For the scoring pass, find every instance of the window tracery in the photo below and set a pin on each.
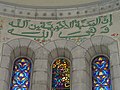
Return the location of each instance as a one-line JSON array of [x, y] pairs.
[[21, 74], [101, 73], [61, 74]]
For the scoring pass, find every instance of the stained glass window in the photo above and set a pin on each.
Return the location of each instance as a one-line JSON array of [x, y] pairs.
[[101, 73], [61, 74], [21, 74]]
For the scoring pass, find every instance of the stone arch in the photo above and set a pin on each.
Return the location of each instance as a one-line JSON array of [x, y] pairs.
[[95, 46], [56, 49], [42, 56], [11, 50]]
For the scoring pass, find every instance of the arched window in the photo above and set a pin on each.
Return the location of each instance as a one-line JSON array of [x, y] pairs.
[[61, 74], [101, 73], [21, 74]]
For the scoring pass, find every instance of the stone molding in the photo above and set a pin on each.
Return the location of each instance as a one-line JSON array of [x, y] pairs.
[[55, 13]]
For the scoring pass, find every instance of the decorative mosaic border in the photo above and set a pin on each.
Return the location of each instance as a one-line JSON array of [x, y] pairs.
[[54, 13]]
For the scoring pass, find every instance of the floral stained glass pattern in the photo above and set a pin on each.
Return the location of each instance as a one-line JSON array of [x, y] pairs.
[[21, 74], [61, 74], [101, 73]]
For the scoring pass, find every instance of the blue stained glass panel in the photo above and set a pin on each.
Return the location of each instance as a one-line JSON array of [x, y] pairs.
[[61, 74], [21, 74], [101, 73]]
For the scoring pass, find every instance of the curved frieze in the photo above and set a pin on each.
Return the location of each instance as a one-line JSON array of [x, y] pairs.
[[37, 12]]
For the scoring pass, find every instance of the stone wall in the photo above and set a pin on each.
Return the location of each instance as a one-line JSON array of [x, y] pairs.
[[45, 40]]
